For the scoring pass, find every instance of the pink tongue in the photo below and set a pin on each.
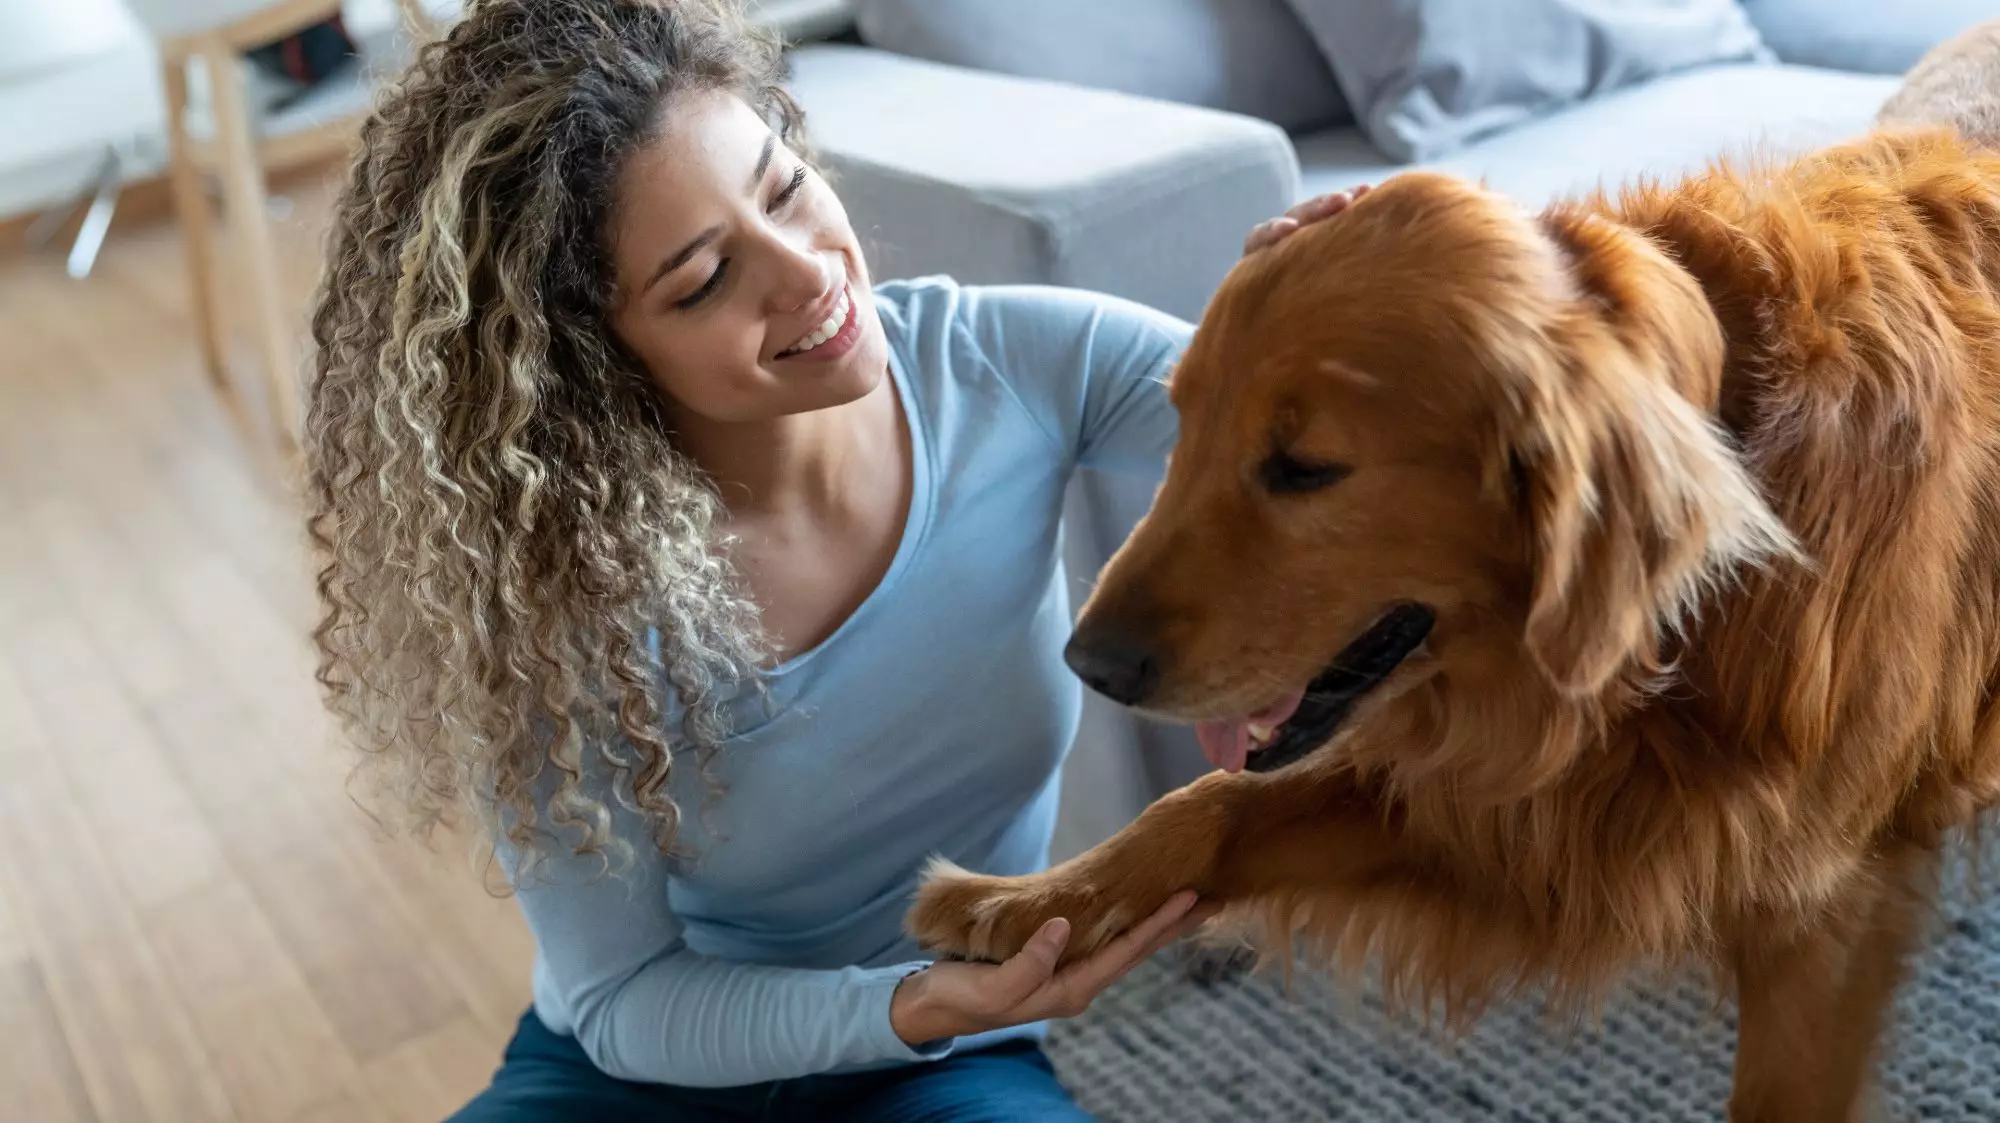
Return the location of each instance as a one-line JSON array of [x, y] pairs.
[[1226, 744]]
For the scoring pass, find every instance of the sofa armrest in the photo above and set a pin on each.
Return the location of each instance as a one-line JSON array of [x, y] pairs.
[[992, 178]]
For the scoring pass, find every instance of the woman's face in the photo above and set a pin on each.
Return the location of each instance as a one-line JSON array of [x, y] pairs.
[[739, 283]]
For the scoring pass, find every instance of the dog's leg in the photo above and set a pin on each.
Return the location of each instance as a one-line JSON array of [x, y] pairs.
[[1876, 969], [1813, 1006], [1228, 837], [1786, 993]]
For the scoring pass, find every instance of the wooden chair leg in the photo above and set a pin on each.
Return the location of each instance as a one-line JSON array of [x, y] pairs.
[[259, 289], [197, 239]]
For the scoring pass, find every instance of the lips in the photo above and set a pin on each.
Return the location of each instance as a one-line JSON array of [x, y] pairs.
[[836, 318]]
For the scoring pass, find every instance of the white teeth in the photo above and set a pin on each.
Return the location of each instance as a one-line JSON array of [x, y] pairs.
[[1261, 732], [825, 330]]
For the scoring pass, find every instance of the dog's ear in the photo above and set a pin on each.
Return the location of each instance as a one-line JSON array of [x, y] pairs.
[[1637, 502]]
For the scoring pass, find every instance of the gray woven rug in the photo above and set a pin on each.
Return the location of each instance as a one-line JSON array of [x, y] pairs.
[[1161, 1047]]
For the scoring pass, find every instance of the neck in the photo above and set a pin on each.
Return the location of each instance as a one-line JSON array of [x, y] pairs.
[[785, 464]]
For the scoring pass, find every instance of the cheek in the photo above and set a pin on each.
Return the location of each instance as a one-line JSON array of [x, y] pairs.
[[1419, 532], [707, 363], [823, 208], [827, 219]]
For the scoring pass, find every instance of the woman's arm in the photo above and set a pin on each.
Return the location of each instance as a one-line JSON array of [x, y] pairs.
[[645, 1007], [1090, 369]]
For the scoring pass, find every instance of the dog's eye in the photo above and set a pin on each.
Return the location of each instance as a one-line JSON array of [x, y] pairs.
[[1285, 474]]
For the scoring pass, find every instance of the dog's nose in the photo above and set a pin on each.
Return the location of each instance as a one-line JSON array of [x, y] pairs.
[[1119, 667]]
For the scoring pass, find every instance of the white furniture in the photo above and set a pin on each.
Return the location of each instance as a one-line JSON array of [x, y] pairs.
[[89, 57], [35, 38]]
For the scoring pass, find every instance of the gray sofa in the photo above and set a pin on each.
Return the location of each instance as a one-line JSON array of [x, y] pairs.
[[1127, 145]]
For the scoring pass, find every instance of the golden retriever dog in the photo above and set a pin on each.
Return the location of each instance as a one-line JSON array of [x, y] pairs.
[[1613, 587]]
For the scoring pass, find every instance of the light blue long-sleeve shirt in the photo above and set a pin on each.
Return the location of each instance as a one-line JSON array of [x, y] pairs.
[[933, 721]]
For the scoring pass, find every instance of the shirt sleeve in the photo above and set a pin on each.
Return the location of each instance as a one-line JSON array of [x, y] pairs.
[[645, 1007], [1091, 369]]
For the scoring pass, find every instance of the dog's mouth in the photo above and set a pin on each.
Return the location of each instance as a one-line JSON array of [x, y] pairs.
[[1291, 728]]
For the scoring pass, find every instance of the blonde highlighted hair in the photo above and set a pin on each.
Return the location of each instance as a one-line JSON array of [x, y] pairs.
[[502, 522]]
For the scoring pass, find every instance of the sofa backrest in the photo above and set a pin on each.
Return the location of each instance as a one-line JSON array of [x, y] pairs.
[[1246, 56]]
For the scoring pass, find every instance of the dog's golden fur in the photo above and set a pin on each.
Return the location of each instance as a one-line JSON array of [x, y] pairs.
[[1703, 482]]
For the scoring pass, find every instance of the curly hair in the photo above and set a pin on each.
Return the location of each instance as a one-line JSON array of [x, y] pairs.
[[501, 521]]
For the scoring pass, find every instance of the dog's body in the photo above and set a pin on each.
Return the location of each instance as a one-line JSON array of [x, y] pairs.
[[1703, 487]]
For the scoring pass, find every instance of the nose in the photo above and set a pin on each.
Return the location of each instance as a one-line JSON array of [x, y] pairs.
[[1118, 665], [806, 270], [806, 280]]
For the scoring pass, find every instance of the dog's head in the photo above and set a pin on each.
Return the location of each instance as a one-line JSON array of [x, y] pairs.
[[1431, 406]]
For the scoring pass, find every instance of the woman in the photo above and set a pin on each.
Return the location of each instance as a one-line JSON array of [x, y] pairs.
[[716, 584]]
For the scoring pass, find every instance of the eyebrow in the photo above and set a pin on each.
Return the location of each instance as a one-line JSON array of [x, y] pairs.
[[712, 233]]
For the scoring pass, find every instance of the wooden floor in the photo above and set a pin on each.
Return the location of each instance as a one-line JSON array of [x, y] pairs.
[[195, 922]]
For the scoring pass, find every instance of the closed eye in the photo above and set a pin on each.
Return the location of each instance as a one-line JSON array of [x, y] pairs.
[[1285, 474], [785, 195], [791, 187]]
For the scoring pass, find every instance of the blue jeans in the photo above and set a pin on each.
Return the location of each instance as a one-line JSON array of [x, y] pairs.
[[545, 1078]]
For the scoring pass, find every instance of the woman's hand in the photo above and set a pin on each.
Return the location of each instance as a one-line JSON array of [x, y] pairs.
[[959, 999], [1272, 230]]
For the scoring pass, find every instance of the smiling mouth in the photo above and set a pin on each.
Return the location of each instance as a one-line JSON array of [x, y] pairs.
[[1297, 725], [836, 318]]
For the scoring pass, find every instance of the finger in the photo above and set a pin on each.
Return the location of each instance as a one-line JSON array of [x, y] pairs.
[[1335, 202], [1267, 232], [1318, 207], [1342, 198], [1030, 969], [1186, 924], [1171, 912], [1196, 915], [1082, 980], [1323, 206], [1199, 915]]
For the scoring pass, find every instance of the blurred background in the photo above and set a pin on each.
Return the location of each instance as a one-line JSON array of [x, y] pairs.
[[197, 924]]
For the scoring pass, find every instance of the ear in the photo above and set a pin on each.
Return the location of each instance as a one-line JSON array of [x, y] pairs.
[[1637, 502]]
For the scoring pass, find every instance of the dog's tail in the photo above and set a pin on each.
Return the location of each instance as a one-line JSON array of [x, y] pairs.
[[1957, 84]]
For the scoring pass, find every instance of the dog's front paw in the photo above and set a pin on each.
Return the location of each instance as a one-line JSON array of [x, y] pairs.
[[975, 916]]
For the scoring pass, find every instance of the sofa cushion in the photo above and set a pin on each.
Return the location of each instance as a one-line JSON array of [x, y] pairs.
[[1426, 77], [1865, 35], [1247, 56], [1662, 129]]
